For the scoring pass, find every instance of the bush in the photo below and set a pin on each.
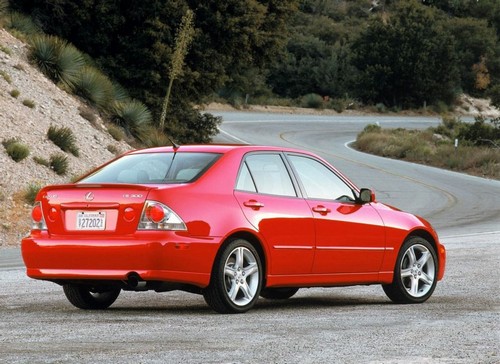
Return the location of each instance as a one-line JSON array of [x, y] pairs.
[[131, 115], [5, 50], [59, 163], [116, 132], [30, 192], [313, 101], [6, 76], [94, 86], [15, 149], [15, 93], [41, 161], [112, 149], [88, 114], [63, 137], [29, 103]]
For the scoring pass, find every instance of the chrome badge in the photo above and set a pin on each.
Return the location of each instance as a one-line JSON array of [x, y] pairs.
[[89, 196]]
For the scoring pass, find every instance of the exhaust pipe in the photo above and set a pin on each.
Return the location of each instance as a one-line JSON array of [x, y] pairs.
[[135, 281]]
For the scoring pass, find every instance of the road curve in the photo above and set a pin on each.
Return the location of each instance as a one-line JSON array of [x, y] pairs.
[[454, 203]]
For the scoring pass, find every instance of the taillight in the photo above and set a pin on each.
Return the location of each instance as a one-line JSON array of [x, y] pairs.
[[38, 222], [157, 216]]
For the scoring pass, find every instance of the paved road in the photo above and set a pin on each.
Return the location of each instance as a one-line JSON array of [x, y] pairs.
[[459, 324]]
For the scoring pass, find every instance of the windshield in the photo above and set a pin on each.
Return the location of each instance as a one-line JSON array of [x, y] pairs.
[[154, 168]]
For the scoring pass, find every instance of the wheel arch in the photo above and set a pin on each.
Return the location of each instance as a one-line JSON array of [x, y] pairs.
[[425, 235], [256, 243]]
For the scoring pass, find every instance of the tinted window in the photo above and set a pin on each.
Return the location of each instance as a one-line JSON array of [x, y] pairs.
[[319, 181], [265, 173], [154, 168]]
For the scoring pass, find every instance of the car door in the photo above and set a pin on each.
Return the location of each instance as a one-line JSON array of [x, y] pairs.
[[270, 202], [350, 236]]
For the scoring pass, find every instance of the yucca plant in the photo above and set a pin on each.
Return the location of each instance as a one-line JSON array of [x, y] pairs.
[[119, 93], [94, 86], [44, 52], [56, 58], [23, 24], [131, 115], [68, 64], [4, 5], [64, 138]]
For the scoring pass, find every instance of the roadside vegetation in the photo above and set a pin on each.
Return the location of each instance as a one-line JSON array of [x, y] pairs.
[[472, 148], [348, 54]]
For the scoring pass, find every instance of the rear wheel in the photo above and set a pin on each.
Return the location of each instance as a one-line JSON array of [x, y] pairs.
[[415, 274], [88, 298], [236, 279], [278, 293]]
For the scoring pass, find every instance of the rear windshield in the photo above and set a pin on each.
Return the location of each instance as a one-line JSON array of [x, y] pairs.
[[154, 168]]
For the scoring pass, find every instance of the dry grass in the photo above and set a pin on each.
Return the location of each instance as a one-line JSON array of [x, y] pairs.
[[427, 148]]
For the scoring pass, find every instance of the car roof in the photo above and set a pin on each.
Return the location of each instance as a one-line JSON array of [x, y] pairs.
[[215, 148]]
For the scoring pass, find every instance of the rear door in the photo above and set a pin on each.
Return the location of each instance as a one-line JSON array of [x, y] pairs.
[[270, 202]]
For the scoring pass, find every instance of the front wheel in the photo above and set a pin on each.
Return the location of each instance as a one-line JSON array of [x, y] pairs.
[[415, 274], [236, 279], [89, 298]]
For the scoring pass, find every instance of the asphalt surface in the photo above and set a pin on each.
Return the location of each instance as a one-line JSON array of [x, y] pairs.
[[460, 323]]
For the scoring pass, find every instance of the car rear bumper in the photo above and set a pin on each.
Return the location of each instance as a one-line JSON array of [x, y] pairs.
[[173, 258]]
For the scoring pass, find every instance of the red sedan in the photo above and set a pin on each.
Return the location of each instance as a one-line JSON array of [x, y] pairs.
[[230, 222]]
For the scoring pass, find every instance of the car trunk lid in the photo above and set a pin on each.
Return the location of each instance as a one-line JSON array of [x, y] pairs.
[[93, 209]]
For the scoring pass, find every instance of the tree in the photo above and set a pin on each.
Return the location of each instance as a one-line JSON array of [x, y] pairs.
[[407, 59]]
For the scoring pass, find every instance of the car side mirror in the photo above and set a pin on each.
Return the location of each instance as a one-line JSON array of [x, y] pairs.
[[366, 195]]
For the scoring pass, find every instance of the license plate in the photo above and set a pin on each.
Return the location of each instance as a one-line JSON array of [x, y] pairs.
[[90, 220]]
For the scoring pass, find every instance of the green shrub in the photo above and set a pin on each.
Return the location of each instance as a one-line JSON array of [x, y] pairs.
[[41, 161], [15, 149], [5, 49], [88, 114], [4, 5], [94, 86], [111, 148], [59, 163], [381, 108], [313, 101], [131, 115], [29, 103], [6, 76], [63, 137], [30, 192], [152, 137], [116, 132]]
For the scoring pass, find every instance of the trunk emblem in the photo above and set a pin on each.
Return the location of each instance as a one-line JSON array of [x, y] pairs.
[[89, 196]]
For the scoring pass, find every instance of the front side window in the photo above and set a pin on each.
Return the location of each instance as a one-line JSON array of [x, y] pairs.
[[319, 181], [154, 168], [265, 173]]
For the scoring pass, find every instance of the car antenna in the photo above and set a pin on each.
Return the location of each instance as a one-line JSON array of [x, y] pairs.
[[174, 144]]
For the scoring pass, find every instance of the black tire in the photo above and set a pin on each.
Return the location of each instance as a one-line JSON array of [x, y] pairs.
[[278, 293], [236, 278], [415, 273], [86, 298]]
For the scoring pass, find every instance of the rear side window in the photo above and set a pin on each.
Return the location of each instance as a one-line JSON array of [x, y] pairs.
[[154, 168], [265, 173]]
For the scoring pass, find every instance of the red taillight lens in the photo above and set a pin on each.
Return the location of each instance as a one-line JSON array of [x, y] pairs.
[[38, 222], [157, 216], [155, 213], [36, 213]]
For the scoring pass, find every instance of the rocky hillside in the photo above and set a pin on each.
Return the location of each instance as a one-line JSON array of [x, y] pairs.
[[52, 106]]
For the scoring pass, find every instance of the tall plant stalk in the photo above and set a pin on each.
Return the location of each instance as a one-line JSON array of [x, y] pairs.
[[183, 39]]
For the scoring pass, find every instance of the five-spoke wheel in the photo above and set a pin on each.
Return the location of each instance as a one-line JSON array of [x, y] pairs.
[[236, 279], [415, 274]]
